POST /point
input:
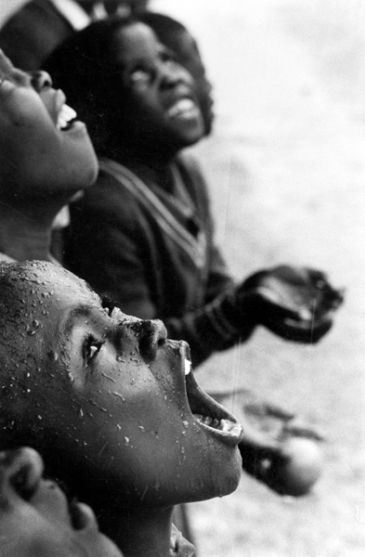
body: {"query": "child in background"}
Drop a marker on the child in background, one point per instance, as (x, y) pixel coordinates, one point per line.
(111, 404)
(144, 234)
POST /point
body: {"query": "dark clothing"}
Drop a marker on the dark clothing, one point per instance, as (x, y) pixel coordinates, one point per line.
(153, 252)
(31, 34)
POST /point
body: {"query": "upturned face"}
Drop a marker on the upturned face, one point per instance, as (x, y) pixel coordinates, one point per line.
(116, 397)
(188, 55)
(44, 149)
(36, 518)
(159, 93)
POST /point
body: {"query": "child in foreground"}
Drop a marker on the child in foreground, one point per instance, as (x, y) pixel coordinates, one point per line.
(111, 404)
(37, 519)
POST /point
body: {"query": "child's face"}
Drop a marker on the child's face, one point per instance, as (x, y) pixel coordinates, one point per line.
(113, 395)
(43, 148)
(161, 96)
(188, 55)
(37, 520)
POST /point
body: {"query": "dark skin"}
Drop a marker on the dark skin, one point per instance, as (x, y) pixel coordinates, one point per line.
(306, 288)
(37, 519)
(131, 431)
(152, 85)
(43, 162)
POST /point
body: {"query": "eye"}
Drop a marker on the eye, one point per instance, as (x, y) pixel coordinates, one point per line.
(91, 349)
(141, 76)
(168, 56)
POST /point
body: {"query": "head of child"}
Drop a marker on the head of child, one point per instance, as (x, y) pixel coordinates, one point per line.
(138, 102)
(37, 519)
(45, 152)
(179, 40)
(108, 401)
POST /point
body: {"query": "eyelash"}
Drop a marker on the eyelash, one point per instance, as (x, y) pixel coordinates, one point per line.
(91, 348)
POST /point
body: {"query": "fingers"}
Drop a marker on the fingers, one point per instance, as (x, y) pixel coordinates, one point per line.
(309, 332)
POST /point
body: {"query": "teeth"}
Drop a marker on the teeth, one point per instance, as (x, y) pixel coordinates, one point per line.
(65, 116)
(181, 106)
(187, 366)
(209, 421)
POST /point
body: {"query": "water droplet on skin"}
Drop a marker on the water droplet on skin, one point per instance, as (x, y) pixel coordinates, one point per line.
(81, 413)
(28, 390)
(39, 417)
(141, 427)
(119, 427)
(108, 377)
(115, 393)
(127, 440)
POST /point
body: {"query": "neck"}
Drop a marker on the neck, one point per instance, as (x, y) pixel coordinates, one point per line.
(23, 235)
(141, 533)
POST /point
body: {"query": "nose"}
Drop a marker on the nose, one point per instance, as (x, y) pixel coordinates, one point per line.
(41, 80)
(20, 471)
(171, 73)
(152, 336)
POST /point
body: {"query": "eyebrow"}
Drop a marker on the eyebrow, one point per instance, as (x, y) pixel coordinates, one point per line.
(75, 313)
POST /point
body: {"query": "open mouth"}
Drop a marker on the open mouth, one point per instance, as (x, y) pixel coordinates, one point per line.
(208, 413)
(184, 108)
(66, 118)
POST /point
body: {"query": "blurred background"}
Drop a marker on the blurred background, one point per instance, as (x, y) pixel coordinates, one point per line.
(286, 166)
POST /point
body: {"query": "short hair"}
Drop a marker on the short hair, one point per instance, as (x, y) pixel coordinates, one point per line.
(166, 28)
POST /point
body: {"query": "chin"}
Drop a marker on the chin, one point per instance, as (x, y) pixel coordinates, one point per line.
(218, 480)
(226, 478)
(85, 173)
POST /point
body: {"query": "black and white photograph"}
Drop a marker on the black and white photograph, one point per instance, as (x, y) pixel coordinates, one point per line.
(182, 278)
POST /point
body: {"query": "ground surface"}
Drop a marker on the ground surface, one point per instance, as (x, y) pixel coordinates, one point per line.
(287, 171)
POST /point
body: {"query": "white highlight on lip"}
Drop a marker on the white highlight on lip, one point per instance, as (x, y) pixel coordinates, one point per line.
(187, 366)
(66, 115)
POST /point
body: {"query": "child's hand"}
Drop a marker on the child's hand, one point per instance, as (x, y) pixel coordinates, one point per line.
(295, 303)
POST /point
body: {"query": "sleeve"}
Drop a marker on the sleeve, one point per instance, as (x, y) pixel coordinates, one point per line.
(215, 326)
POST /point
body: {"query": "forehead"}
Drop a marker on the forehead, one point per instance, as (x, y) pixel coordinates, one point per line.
(51, 285)
(136, 41)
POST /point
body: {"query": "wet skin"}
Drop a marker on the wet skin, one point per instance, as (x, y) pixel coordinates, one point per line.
(37, 520)
(156, 91)
(113, 395)
(37, 157)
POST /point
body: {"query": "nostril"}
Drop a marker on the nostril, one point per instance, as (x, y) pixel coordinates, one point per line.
(41, 80)
(24, 470)
(152, 336)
